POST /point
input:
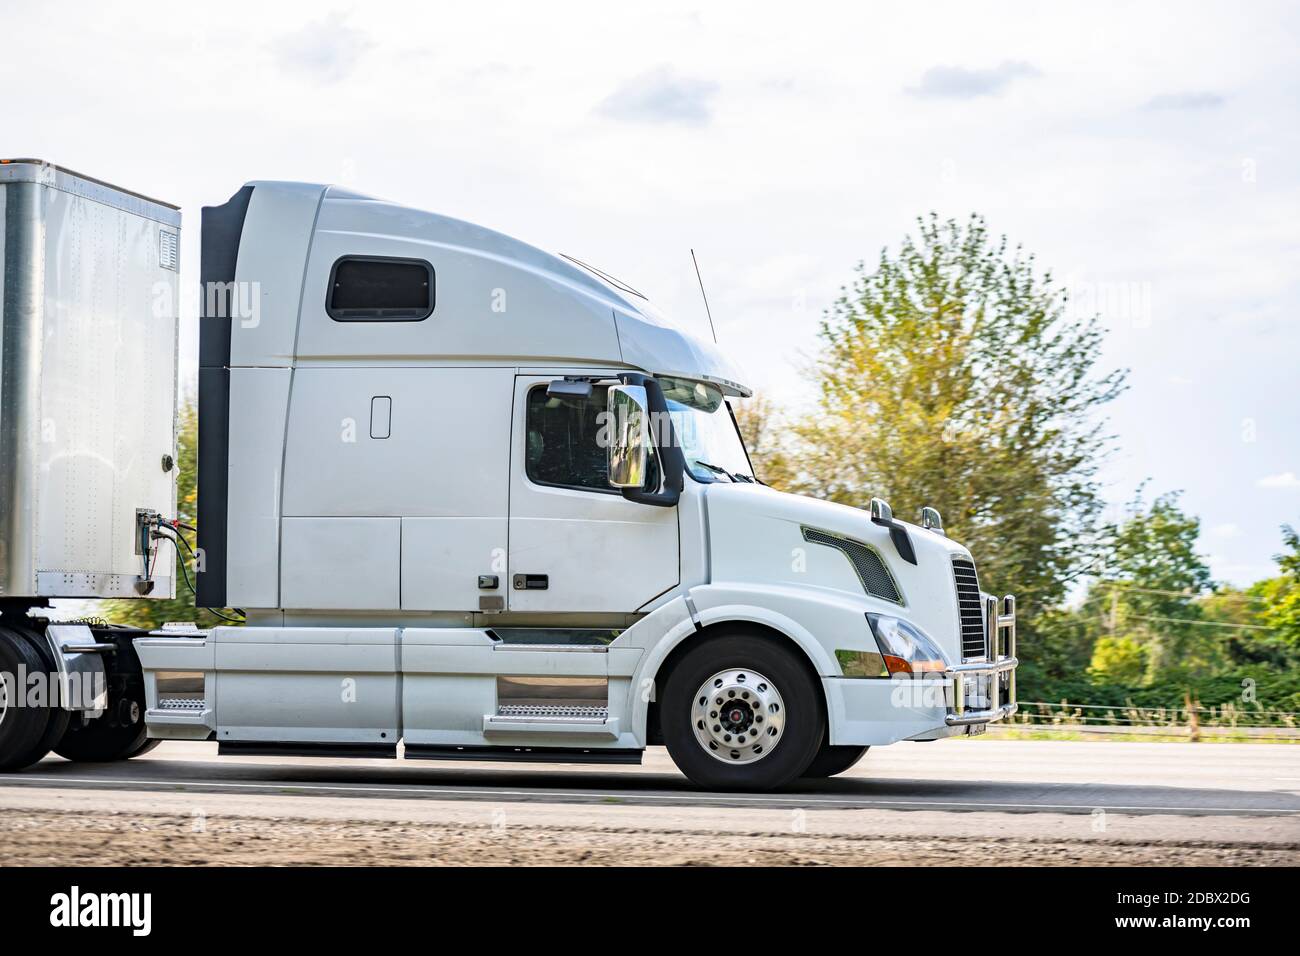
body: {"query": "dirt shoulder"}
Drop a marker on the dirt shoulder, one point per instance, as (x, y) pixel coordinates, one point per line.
(59, 837)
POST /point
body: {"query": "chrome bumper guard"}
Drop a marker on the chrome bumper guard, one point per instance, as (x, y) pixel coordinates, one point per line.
(990, 686)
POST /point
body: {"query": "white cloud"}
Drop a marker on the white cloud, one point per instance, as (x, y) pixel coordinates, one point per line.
(1286, 479)
(1226, 530)
(1190, 100)
(961, 83)
(327, 50)
(661, 96)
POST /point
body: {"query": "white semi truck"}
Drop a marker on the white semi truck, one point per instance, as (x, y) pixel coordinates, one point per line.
(474, 500)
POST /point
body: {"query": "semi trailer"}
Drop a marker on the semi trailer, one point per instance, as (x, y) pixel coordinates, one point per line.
(472, 501)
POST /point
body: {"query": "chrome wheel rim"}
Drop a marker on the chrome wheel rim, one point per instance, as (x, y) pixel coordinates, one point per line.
(738, 716)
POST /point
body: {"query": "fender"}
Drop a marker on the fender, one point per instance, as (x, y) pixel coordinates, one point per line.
(798, 613)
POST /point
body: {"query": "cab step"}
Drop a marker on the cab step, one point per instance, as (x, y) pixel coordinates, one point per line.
(568, 720)
(269, 748)
(606, 755)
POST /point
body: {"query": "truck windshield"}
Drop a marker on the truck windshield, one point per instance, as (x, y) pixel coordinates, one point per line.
(708, 436)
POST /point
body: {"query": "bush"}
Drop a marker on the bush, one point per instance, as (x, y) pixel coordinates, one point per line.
(1118, 660)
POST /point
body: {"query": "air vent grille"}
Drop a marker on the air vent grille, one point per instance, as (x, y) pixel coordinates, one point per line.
(875, 577)
(169, 250)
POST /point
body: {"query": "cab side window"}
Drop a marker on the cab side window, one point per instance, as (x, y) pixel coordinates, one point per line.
(380, 289)
(562, 441)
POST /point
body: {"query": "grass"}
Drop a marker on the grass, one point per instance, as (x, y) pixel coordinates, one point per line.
(1207, 735)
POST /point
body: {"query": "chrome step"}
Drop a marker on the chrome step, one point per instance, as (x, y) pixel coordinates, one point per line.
(552, 712)
(182, 703)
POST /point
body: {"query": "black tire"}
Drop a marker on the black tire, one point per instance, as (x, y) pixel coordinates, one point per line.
(120, 733)
(26, 733)
(59, 718)
(804, 713)
(144, 748)
(832, 760)
(104, 740)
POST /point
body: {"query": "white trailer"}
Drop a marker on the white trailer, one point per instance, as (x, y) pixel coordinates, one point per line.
(478, 501)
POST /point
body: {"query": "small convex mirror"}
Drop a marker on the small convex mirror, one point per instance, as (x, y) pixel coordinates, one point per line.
(881, 513)
(931, 520)
(628, 435)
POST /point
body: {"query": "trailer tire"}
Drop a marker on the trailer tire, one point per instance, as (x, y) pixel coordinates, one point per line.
(831, 760)
(770, 727)
(26, 733)
(120, 733)
(106, 739)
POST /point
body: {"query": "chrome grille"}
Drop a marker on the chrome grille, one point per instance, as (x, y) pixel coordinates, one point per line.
(970, 611)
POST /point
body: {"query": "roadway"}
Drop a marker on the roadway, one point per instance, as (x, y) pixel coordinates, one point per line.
(948, 802)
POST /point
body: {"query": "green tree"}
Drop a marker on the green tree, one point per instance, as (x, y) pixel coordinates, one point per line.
(766, 441)
(952, 376)
(1251, 638)
(1118, 660)
(1054, 659)
(1149, 588)
(1281, 595)
(155, 613)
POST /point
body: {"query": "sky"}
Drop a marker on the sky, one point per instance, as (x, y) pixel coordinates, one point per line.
(1146, 154)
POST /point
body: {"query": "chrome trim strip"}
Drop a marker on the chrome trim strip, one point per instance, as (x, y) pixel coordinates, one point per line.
(88, 187)
(980, 716)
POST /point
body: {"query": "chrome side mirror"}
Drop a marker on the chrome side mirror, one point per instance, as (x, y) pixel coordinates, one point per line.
(931, 520)
(881, 513)
(628, 435)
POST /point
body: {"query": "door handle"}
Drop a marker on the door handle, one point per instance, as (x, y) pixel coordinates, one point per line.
(531, 582)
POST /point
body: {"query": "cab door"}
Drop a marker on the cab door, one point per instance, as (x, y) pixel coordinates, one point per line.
(577, 545)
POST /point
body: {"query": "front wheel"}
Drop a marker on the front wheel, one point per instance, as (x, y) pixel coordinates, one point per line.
(742, 712)
(832, 760)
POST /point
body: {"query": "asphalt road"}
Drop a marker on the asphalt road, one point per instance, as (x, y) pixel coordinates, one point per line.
(955, 801)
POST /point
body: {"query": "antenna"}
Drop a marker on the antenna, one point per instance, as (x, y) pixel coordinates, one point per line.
(705, 296)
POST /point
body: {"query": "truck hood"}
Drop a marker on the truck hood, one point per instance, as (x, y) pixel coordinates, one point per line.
(758, 534)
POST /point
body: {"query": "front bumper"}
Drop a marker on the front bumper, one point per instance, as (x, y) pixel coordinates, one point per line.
(985, 691)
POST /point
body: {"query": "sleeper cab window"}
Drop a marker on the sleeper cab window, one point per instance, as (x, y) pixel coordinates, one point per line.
(564, 448)
(380, 289)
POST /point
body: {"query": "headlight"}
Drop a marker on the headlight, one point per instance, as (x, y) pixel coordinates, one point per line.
(906, 648)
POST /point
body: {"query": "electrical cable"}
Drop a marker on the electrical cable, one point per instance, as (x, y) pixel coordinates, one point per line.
(159, 532)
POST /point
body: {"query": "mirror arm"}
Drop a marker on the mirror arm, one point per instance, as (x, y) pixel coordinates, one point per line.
(898, 534)
(671, 460)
